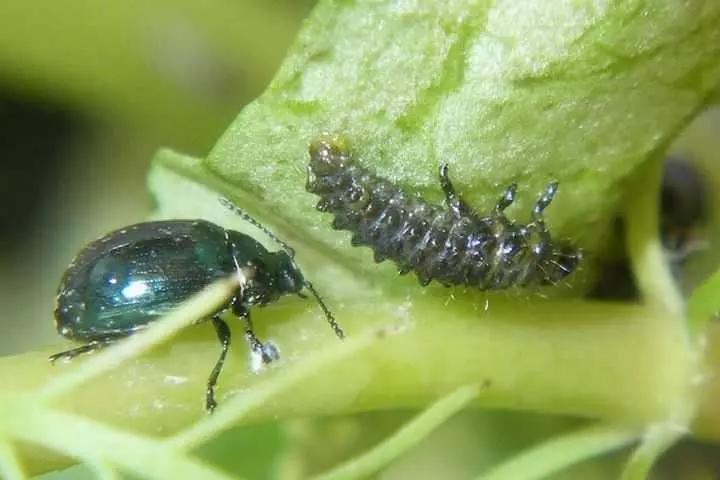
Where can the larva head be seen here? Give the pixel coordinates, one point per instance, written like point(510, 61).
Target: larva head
point(329, 154)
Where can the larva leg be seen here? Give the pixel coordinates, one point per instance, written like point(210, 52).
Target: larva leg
point(507, 198)
point(456, 204)
point(545, 199)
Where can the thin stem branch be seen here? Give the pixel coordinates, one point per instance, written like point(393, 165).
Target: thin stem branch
point(404, 439)
point(561, 452)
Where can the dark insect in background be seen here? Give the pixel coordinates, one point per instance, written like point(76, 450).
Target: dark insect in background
point(129, 278)
point(685, 201)
point(451, 244)
point(684, 214)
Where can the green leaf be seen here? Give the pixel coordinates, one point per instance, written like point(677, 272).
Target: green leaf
point(581, 92)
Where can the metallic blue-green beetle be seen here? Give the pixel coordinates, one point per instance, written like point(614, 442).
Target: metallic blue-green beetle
point(127, 279)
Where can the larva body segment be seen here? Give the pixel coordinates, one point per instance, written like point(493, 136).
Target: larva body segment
point(449, 244)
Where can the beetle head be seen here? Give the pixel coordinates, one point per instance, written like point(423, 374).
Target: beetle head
point(287, 275)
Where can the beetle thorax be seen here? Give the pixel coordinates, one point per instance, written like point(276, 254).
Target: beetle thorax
point(265, 280)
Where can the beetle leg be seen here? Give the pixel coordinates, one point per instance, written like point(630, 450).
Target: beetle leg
point(90, 347)
point(223, 334)
point(255, 344)
point(271, 350)
point(507, 199)
point(543, 202)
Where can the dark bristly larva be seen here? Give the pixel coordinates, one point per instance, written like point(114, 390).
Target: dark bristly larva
point(451, 244)
point(126, 280)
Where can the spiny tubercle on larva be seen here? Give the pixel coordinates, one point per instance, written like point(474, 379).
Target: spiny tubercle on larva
point(450, 244)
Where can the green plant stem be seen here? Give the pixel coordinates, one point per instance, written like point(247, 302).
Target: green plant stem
point(656, 441)
point(561, 452)
point(238, 407)
point(706, 424)
point(10, 463)
point(619, 363)
point(103, 471)
point(406, 438)
point(648, 257)
point(92, 442)
point(704, 305)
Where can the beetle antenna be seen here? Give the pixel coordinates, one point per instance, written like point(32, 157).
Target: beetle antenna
point(328, 315)
point(246, 216)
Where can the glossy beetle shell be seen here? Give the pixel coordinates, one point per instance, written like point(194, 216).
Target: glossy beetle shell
point(130, 277)
point(125, 280)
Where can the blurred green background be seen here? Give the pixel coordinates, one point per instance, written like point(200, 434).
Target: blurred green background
point(89, 90)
